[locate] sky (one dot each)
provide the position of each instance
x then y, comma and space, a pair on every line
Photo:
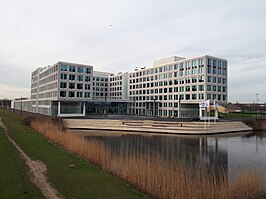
118, 35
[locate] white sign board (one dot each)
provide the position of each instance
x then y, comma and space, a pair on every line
204, 104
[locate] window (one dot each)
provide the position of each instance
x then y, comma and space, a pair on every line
214, 62
224, 89
63, 67
79, 94
63, 76
72, 68
79, 86
209, 88
194, 80
71, 94
87, 78
201, 70
87, 95
201, 96
201, 62
209, 69
87, 87
187, 96
194, 88
187, 88
201, 78
63, 84
71, 85
80, 77
209, 62
88, 70
71, 77
194, 96
80, 69
62, 93
201, 87
224, 97
214, 70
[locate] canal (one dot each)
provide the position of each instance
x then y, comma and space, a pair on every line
232, 151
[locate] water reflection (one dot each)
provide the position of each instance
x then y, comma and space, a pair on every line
232, 151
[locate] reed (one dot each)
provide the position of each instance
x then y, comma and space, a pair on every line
153, 175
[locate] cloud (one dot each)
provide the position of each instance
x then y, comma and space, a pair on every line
36, 34
12, 92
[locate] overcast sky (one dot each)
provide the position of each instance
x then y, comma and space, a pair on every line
117, 35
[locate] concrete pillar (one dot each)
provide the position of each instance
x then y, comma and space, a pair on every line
59, 108
200, 112
216, 113
84, 106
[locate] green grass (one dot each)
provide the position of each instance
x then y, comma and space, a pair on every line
14, 179
238, 115
80, 181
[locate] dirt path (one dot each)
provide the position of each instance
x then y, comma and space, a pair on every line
37, 169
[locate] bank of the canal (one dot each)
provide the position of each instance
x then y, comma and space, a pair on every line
71, 176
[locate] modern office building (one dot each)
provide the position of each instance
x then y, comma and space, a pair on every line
172, 87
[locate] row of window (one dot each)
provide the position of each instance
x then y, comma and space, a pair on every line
48, 71
75, 86
99, 84
119, 88
193, 96
168, 90
73, 69
166, 83
74, 94
48, 79
218, 71
116, 94
115, 78
47, 87
116, 83
102, 79
48, 94
100, 89
216, 88
181, 73
187, 64
73, 77
99, 94
214, 62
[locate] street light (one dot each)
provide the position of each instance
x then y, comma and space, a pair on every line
21, 106
154, 103
257, 100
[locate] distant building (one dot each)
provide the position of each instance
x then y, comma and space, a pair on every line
172, 87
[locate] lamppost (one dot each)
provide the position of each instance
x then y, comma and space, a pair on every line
21, 106
257, 101
154, 104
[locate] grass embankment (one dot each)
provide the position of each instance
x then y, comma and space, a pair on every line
14, 179
153, 175
238, 115
71, 176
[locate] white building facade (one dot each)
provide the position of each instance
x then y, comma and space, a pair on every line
172, 87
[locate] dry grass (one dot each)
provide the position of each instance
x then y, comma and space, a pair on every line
154, 176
